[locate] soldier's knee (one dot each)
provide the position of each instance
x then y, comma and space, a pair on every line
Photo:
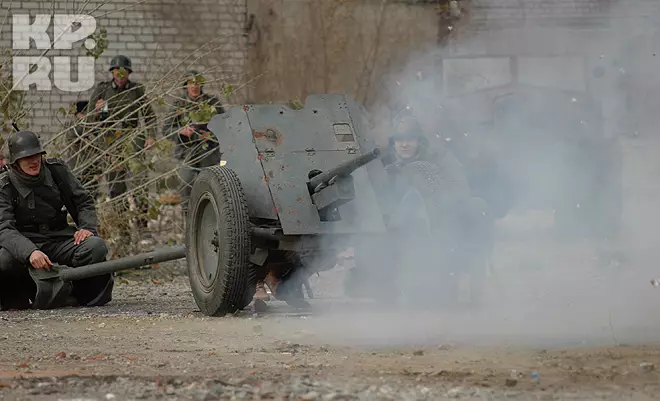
91, 250
98, 248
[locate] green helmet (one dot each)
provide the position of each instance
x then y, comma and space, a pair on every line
193, 74
406, 127
24, 144
119, 62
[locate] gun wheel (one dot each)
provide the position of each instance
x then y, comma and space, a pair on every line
218, 243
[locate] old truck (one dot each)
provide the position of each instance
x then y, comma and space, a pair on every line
531, 133
295, 187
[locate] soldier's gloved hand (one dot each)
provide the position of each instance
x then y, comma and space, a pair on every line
80, 235
39, 260
187, 131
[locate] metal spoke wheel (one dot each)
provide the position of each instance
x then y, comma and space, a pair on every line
218, 243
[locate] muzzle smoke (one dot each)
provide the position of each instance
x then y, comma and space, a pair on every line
554, 130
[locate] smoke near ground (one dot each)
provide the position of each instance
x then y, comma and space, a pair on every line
547, 287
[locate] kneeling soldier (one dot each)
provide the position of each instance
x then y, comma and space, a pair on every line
35, 194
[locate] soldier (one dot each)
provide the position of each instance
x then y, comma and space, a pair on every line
409, 143
464, 221
117, 105
35, 194
194, 146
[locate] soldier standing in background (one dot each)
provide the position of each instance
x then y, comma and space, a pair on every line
35, 195
116, 106
195, 146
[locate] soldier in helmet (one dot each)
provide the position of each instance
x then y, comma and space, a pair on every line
464, 220
116, 106
35, 195
194, 144
408, 143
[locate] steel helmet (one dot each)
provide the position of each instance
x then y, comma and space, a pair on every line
24, 144
119, 62
194, 74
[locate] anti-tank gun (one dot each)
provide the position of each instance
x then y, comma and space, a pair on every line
297, 187
294, 187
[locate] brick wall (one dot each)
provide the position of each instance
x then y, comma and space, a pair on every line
158, 35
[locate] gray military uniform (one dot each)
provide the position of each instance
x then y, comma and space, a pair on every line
125, 106
196, 152
193, 147
35, 218
463, 218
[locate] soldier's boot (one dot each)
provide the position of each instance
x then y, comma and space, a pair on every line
105, 295
261, 294
17, 288
8, 304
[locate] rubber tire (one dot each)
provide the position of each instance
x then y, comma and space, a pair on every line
229, 292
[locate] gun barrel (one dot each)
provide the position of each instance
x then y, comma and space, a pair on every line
344, 169
129, 262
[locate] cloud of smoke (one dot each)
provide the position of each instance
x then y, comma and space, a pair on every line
553, 127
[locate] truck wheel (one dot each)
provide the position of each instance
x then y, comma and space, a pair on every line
218, 242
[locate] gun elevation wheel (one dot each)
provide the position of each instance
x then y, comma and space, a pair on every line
218, 242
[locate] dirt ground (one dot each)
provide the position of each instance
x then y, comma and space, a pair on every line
559, 324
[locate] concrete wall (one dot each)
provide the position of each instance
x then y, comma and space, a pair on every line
298, 47
158, 35
604, 34
618, 41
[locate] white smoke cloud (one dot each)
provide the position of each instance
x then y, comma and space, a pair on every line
546, 286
